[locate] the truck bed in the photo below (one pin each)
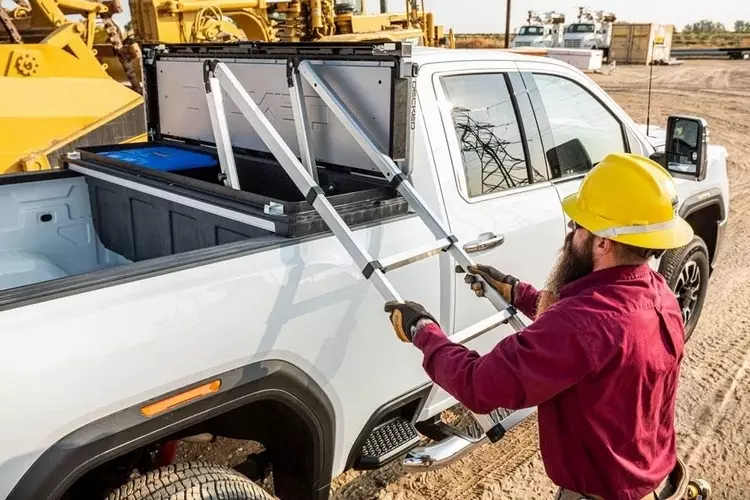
(98, 217)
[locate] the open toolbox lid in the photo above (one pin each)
(375, 81)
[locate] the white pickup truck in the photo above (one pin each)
(143, 301)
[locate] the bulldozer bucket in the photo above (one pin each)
(56, 96)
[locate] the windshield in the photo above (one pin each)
(531, 30)
(581, 28)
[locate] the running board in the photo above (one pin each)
(387, 441)
(455, 446)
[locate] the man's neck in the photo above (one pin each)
(609, 261)
(605, 264)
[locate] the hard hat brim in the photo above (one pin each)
(676, 236)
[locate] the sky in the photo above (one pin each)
(488, 16)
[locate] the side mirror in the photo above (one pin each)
(569, 158)
(685, 147)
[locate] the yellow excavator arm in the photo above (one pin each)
(56, 95)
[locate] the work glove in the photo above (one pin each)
(404, 317)
(505, 284)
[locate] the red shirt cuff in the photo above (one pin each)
(526, 299)
(429, 336)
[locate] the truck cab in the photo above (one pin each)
(531, 36)
(592, 31)
(585, 36)
(541, 30)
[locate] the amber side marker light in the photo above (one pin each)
(183, 397)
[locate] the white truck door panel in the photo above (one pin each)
(479, 150)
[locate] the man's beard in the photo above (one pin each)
(571, 265)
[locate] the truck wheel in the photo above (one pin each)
(686, 271)
(191, 481)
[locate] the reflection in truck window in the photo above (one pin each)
(531, 31)
(488, 134)
(580, 132)
(580, 28)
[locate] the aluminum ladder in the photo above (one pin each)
(217, 76)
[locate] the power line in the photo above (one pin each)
(499, 168)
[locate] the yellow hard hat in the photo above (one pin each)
(630, 199)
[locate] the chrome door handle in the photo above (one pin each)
(484, 242)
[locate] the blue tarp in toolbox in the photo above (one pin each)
(164, 158)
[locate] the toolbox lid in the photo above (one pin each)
(373, 80)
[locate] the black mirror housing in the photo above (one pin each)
(569, 158)
(685, 149)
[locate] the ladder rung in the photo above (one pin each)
(485, 325)
(416, 254)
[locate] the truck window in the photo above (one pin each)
(486, 126)
(635, 144)
(578, 130)
(581, 28)
(531, 31)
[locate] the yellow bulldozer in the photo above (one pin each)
(70, 77)
(56, 94)
(198, 21)
(195, 21)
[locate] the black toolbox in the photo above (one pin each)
(181, 142)
(266, 191)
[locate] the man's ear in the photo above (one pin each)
(603, 246)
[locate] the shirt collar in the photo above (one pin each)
(609, 275)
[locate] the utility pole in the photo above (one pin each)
(507, 24)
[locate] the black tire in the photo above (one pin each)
(191, 481)
(686, 270)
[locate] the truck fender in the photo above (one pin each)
(702, 200)
(712, 231)
(100, 441)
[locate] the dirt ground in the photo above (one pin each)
(713, 407)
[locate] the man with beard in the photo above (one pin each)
(602, 358)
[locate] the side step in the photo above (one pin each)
(457, 444)
(387, 441)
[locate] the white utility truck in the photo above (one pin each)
(186, 288)
(545, 30)
(592, 31)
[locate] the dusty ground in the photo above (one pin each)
(713, 408)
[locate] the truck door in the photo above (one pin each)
(577, 128)
(493, 178)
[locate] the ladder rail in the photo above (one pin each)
(224, 78)
(301, 122)
(220, 127)
(384, 163)
(218, 77)
(392, 173)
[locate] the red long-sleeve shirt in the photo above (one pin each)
(602, 365)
